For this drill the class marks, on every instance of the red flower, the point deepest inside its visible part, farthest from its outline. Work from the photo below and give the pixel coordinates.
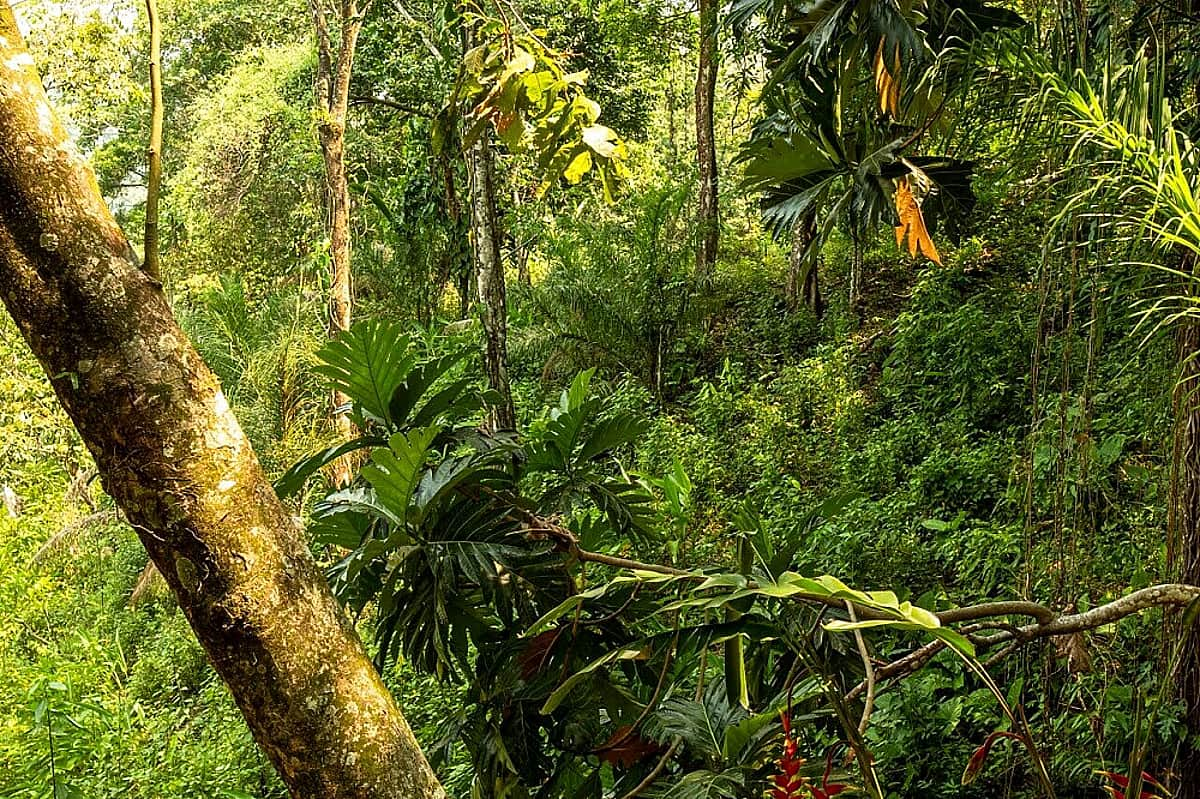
(1122, 782)
(789, 783)
(975, 763)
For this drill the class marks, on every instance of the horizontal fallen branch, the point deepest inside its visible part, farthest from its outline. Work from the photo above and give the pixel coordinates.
(1048, 625)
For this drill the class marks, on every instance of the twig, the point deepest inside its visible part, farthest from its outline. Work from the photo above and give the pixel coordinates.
(869, 673)
(654, 697)
(649, 779)
(634, 565)
(906, 665)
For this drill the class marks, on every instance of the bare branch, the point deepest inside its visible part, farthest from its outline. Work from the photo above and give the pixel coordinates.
(1166, 595)
(869, 671)
(1015, 608)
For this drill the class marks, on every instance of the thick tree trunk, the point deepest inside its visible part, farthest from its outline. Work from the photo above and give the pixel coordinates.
(173, 457)
(489, 272)
(333, 86)
(708, 214)
(803, 284)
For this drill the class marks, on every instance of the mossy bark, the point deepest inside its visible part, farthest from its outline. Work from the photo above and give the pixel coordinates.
(803, 274)
(333, 90)
(173, 457)
(489, 272)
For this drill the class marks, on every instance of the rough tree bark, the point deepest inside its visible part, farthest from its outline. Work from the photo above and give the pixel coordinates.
(1184, 528)
(708, 213)
(803, 284)
(489, 272)
(333, 99)
(173, 457)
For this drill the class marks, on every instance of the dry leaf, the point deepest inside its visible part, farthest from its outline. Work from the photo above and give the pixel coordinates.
(626, 748)
(1074, 649)
(912, 224)
(887, 81)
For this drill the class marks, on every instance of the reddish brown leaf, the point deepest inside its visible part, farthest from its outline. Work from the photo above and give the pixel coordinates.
(533, 658)
(626, 748)
(975, 764)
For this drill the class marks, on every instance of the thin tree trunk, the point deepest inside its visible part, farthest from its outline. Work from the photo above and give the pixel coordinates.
(150, 261)
(708, 213)
(489, 272)
(172, 455)
(803, 275)
(333, 89)
(671, 101)
(856, 267)
(1184, 527)
(520, 249)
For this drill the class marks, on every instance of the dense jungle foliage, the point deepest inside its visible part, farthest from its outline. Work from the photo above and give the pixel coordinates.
(737, 538)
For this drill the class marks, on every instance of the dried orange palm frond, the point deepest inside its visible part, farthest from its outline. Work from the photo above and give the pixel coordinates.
(887, 81)
(912, 224)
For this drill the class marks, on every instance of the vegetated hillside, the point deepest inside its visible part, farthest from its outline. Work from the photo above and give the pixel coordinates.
(929, 450)
(612, 519)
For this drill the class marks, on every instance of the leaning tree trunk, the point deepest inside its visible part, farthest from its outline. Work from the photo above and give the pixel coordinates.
(1184, 527)
(173, 457)
(489, 272)
(803, 285)
(708, 214)
(333, 89)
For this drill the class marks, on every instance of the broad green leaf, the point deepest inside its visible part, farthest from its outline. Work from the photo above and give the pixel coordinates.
(613, 432)
(367, 363)
(395, 471)
(562, 691)
(955, 640)
(294, 478)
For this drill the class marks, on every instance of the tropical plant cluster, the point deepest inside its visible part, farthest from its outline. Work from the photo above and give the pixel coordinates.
(897, 499)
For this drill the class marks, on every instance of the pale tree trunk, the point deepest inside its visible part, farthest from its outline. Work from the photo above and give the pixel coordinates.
(708, 214)
(803, 285)
(489, 274)
(856, 268)
(172, 455)
(333, 101)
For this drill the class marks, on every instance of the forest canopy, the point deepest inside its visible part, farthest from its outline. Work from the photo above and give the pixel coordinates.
(599, 399)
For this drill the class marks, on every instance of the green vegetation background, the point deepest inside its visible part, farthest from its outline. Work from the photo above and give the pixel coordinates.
(964, 438)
